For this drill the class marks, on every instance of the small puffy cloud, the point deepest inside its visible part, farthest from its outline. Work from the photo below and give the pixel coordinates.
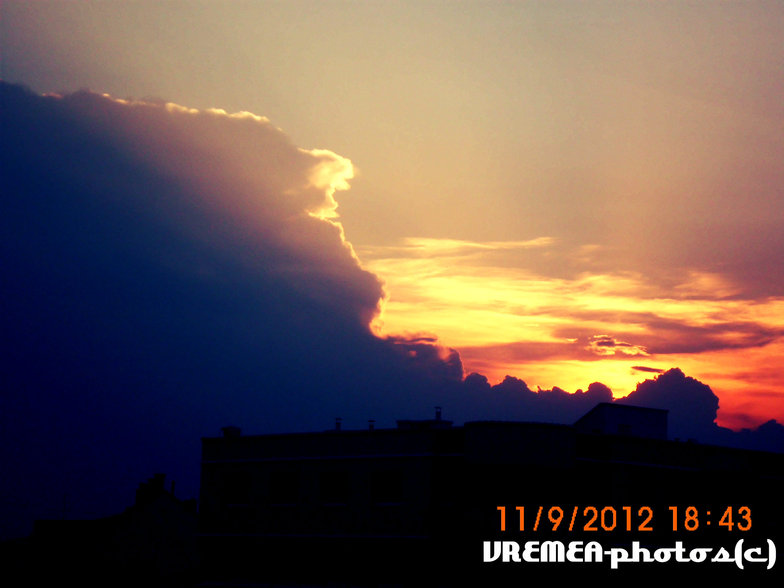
(512, 385)
(607, 345)
(598, 392)
(642, 368)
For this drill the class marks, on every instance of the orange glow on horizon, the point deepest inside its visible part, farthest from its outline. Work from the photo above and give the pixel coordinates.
(570, 332)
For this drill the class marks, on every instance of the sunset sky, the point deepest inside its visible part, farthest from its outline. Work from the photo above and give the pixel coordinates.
(565, 192)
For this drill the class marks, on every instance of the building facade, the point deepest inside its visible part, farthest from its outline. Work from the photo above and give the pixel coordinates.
(418, 501)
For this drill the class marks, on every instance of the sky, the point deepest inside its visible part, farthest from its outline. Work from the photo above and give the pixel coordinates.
(272, 214)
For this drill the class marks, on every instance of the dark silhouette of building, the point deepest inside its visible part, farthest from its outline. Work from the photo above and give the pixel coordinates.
(151, 543)
(413, 505)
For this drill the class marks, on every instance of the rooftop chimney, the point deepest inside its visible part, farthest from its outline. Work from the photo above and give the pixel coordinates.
(436, 423)
(338, 422)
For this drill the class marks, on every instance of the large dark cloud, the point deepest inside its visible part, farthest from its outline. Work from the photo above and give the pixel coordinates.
(167, 272)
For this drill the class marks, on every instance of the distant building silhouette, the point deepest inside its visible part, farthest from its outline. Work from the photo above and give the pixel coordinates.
(151, 543)
(377, 505)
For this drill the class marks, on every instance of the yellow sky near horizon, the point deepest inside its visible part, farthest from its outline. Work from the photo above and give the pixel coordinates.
(571, 331)
(562, 191)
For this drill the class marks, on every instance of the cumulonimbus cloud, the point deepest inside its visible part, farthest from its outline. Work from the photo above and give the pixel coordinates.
(168, 271)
